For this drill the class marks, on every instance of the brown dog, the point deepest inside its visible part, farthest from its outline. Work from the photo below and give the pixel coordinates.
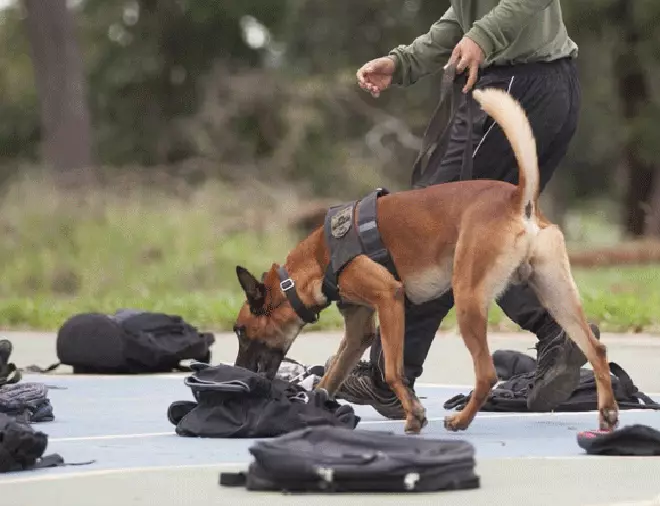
(473, 236)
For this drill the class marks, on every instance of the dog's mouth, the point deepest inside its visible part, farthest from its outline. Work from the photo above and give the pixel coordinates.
(258, 357)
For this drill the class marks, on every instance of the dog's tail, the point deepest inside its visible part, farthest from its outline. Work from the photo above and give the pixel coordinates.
(508, 113)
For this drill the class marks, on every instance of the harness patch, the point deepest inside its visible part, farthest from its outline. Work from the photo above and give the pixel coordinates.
(341, 222)
(346, 241)
(341, 236)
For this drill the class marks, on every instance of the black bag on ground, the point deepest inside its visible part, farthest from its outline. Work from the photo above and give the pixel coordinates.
(22, 448)
(27, 402)
(232, 402)
(9, 373)
(327, 459)
(511, 395)
(20, 445)
(130, 342)
(633, 440)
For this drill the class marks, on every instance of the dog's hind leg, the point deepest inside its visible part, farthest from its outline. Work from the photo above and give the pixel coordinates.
(555, 287)
(359, 333)
(365, 282)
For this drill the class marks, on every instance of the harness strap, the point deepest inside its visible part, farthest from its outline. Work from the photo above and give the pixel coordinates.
(367, 227)
(372, 244)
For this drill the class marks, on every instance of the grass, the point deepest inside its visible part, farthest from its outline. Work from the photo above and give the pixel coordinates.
(144, 247)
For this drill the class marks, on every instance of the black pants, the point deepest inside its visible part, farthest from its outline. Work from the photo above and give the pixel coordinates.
(550, 94)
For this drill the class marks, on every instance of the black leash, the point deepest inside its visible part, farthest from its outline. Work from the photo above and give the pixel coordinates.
(437, 132)
(468, 153)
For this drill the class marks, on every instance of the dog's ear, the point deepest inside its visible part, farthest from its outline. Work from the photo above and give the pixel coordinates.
(254, 290)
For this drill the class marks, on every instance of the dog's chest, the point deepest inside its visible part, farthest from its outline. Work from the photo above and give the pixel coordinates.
(430, 283)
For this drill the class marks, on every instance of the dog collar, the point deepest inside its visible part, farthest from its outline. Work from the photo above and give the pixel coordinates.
(288, 286)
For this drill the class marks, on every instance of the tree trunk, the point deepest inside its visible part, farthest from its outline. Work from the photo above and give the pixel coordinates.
(633, 95)
(60, 81)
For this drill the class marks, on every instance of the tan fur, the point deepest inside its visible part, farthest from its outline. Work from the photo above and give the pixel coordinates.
(431, 283)
(481, 235)
(512, 118)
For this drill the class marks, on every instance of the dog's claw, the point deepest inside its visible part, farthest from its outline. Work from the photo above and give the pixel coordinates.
(415, 424)
(609, 418)
(416, 421)
(453, 423)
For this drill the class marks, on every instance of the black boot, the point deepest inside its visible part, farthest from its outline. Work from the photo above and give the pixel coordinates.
(558, 364)
(365, 387)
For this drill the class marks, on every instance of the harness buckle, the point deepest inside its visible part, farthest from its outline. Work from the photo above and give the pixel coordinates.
(287, 284)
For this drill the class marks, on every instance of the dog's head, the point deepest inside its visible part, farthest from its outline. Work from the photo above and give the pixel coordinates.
(266, 325)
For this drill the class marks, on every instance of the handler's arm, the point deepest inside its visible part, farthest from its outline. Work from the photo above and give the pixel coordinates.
(499, 28)
(428, 52)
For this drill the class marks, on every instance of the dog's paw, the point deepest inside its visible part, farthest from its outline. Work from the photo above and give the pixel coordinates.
(455, 423)
(416, 421)
(609, 418)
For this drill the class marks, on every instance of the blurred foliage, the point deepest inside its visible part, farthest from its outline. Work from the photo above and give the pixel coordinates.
(175, 81)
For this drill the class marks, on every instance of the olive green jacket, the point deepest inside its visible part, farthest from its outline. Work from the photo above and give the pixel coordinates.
(508, 31)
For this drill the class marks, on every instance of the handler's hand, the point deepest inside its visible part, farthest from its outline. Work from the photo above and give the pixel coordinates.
(376, 75)
(467, 54)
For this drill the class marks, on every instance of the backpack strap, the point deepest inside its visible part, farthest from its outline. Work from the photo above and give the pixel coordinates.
(457, 402)
(56, 460)
(41, 370)
(228, 479)
(9, 374)
(631, 389)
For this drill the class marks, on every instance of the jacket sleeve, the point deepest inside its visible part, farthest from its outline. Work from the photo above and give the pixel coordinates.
(428, 52)
(499, 28)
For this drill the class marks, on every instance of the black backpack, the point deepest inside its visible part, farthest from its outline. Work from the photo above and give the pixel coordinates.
(331, 459)
(129, 342)
(22, 448)
(233, 402)
(9, 373)
(511, 395)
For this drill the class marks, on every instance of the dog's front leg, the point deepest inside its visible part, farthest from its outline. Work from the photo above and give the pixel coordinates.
(370, 283)
(472, 319)
(359, 333)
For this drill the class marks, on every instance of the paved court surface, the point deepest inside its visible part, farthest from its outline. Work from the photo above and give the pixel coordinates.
(121, 423)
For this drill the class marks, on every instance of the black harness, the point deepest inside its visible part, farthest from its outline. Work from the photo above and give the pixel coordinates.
(347, 237)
